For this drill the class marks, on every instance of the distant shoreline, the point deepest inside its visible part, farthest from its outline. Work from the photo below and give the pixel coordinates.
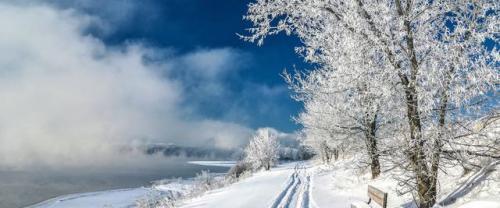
(214, 163)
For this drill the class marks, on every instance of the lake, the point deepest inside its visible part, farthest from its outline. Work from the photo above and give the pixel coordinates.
(20, 188)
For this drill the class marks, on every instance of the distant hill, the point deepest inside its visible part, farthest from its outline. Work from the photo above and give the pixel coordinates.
(172, 150)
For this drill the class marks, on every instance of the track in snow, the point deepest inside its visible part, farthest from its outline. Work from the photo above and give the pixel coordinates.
(297, 190)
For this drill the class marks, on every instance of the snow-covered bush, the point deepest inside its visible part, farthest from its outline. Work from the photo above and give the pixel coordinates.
(241, 168)
(262, 151)
(206, 181)
(156, 200)
(200, 184)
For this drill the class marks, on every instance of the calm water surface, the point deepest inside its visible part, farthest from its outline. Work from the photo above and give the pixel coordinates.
(20, 188)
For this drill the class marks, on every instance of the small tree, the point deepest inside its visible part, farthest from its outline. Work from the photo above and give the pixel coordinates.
(262, 151)
(340, 110)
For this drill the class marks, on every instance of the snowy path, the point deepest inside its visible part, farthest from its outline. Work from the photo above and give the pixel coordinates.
(296, 193)
(259, 190)
(306, 188)
(287, 186)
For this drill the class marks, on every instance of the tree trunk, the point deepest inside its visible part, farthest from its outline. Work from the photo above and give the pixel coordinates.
(371, 144)
(327, 156)
(326, 152)
(425, 184)
(425, 188)
(336, 153)
(438, 144)
(375, 165)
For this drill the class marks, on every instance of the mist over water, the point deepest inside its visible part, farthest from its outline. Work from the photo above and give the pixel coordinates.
(20, 188)
(72, 103)
(72, 99)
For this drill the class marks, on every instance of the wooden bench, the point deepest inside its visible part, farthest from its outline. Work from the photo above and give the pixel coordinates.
(374, 194)
(377, 196)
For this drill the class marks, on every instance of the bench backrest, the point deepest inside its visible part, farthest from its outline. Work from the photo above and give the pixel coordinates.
(378, 196)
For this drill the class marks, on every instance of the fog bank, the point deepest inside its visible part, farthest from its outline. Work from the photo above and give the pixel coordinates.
(69, 99)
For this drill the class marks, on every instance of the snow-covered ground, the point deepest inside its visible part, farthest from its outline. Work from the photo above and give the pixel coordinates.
(342, 183)
(303, 185)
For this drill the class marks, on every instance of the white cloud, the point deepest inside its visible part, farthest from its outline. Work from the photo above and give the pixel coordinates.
(212, 63)
(65, 97)
(204, 72)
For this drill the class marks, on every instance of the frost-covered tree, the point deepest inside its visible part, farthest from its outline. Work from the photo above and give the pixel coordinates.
(341, 111)
(263, 149)
(432, 56)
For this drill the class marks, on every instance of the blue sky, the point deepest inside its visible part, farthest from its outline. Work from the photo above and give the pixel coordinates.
(184, 26)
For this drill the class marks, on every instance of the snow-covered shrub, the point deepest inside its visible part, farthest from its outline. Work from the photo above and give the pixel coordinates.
(262, 151)
(241, 168)
(206, 181)
(200, 184)
(156, 200)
